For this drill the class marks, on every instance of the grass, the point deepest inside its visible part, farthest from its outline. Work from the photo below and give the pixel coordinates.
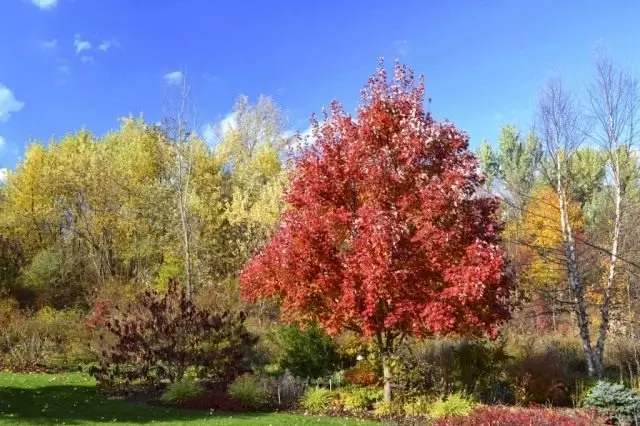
(72, 399)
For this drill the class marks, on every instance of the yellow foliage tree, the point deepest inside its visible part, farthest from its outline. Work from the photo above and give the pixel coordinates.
(541, 254)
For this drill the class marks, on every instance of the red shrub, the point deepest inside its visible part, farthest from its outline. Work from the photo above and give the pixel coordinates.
(98, 314)
(163, 333)
(362, 374)
(505, 416)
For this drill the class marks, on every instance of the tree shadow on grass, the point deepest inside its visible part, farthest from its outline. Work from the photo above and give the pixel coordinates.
(70, 404)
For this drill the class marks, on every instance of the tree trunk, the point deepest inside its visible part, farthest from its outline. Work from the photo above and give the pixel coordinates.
(606, 302)
(575, 284)
(387, 377)
(185, 218)
(632, 327)
(181, 136)
(187, 248)
(385, 345)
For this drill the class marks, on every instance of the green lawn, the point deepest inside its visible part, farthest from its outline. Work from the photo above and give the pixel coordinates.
(72, 399)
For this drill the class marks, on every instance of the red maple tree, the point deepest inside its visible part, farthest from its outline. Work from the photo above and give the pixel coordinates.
(385, 233)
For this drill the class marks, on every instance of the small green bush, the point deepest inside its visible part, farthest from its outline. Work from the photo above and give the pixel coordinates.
(418, 406)
(249, 391)
(359, 399)
(54, 278)
(317, 400)
(179, 392)
(616, 401)
(455, 404)
(309, 353)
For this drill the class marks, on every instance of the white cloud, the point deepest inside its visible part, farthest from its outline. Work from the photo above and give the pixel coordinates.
(80, 44)
(212, 132)
(86, 59)
(173, 78)
(228, 123)
(45, 4)
(108, 44)
(8, 103)
(63, 69)
(50, 45)
(209, 134)
(402, 47)
(2, 143)
(4, 173)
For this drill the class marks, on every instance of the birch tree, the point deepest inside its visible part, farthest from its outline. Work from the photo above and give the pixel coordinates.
(613, 100)
(561, 133)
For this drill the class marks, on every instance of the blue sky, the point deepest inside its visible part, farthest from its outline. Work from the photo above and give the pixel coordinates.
(71, 64)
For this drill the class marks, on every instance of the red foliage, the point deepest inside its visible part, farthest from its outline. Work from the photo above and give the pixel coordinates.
(386, 233)
(162, 334)
(361, 375)
(504, 416)
(98, 314)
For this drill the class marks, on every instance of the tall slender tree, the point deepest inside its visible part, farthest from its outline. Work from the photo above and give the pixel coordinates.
(613, 104)
(560, 129)
(178, 126)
